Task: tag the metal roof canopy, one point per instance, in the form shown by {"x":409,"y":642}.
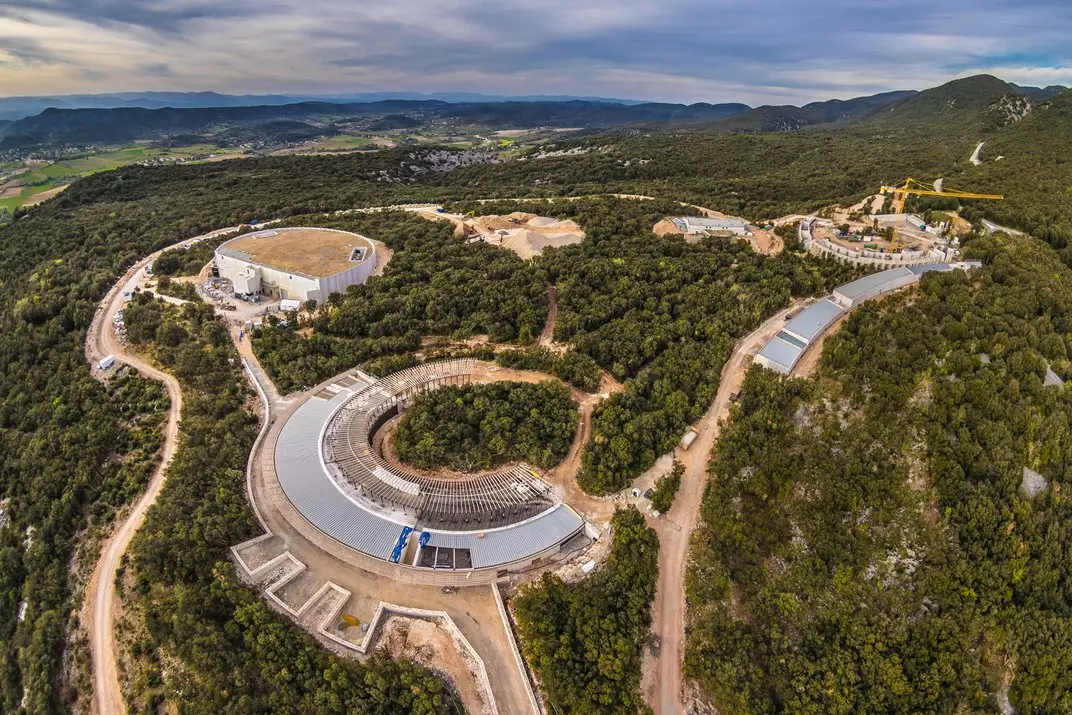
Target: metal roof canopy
{"x":781,"y":354}
{"x":813,"y":320}
{"x":862,"y":286}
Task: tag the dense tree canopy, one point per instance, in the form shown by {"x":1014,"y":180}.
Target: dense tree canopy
{"x":585,"y":640}
{"x":435,"y":284}
{"x":472,"y":427}
{"x":866,"y":544}
{"x":71,"y":449}
{"x":234,"y":650}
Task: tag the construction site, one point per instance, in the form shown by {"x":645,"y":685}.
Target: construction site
{"x":866,"y":234}
{"x":525,"y":234}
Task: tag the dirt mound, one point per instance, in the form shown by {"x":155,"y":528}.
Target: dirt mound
{"x":494,"y":223}
{"x":666,"y":227}
{"x":525,"y":234}
{"x":527,"y":243}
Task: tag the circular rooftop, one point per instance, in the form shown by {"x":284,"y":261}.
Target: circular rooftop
{"x":454,"y":501}
{"x":329,"y":472}
{"x":312,"y":252}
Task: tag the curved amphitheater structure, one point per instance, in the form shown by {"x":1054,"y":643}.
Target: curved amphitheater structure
{"x":328,"y":469}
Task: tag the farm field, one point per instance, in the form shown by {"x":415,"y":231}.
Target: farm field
{"x":41,"y":180}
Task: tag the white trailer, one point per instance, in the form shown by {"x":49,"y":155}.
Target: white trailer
{"x":106,"y":362}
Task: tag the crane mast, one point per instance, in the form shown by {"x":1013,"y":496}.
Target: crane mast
{"x":918,"y":188}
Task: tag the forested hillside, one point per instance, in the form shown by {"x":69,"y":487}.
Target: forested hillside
{"x":435,"y":284}
{"x":1031,"y":163}
{"x":585,"y":640}
{"x":71,"y":450}
{"x":869,"y":540}
{"x":659,"y":314}
{"x":193,"y":607}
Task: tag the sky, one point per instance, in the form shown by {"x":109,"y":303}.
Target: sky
{"x":752,"y":51}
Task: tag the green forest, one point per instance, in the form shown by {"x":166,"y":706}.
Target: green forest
{"x":585,"y":640}
{"x":435,"y":284}
{"x":237,"y":655}
{"x":867,"y":544}
{"x":659,"y":315}
{"x":72,"y":449}
{"x":480,"y":426}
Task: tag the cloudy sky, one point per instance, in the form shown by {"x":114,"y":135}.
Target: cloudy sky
{"x":755,"y":51}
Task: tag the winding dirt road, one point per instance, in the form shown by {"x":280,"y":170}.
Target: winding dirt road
{"x":662,"y":677}
{"x":98,"y":609}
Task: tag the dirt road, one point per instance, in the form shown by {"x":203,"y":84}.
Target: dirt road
{"x":662,"y":676}
{"x":98,"y":609}
{"x":547,"y":337}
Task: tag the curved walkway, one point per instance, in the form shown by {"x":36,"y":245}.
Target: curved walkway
{"x":98,"y":609}
{"x":356,"y":584}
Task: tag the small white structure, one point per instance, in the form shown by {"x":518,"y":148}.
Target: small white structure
{"x":106,"y":362}
{"x":296,"y":263}
{"x":700,"y":225}
{"x":246,"y":281}
{"x":688,"y":438}
{"x":289,"y":304}
{"x":588,"y":567}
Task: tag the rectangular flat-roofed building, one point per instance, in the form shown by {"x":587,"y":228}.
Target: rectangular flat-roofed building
{"x":813,"y":320}
{"x":693,"y":225}
{"x":852,"y":294}
{"x":779,"y":355}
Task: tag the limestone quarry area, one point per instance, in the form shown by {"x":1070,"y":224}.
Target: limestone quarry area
{"x":525,"y":234}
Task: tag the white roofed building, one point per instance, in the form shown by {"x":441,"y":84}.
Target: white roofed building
{"x":296,"y":263}
{"x":700,"y":225}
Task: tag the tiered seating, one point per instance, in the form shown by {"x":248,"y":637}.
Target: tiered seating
{"x":462,"y":503}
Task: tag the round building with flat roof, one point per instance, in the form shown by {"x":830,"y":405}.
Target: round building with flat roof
{"x":328,"y":469}
{"x":296,"y":263}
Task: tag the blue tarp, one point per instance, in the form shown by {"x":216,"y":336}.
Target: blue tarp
{"x":397,"y":553}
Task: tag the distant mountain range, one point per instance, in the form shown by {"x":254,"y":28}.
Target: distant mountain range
{"x":973,"y":104}
{"x":12,"y":108}
{"x":121,"y":125}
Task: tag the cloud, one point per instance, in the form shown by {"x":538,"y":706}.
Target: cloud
{"x":157,"y":69}
{"x":757,"y":51}
{"x":26,"y":52}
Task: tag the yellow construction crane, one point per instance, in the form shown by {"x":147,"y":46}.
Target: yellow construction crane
{"x":918,"y":188}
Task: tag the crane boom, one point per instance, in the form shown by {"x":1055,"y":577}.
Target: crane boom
{"x":918,"y":188}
